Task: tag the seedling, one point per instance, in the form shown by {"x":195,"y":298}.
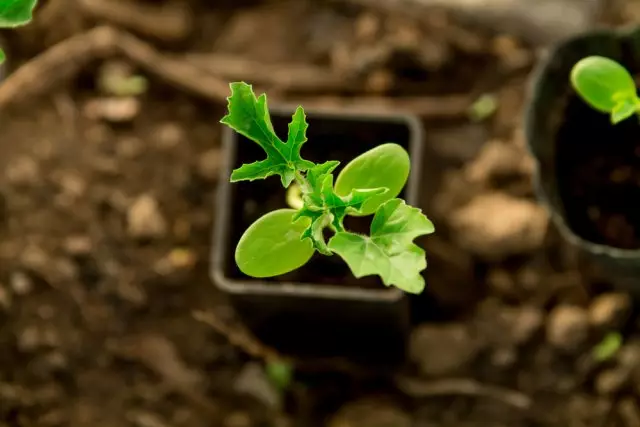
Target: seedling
{"x":15,"y":13}
{"x":284,"y":240}
{"x":606,"y":86}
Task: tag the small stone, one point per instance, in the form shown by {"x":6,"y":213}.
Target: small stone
{"x":177,"y":259}
{"x":35,"y":258}
{"x":567,"y":327}
{"x":29,"y":339}
{"x":524,"y":323}
{"x":169,"y":135}
{"x":237,"y":419}
{"x":21,"y":283}
{"x":5,"y":298}
{"x":23,"y":171}
{"x":612,"y":380}
{"x":440,"y":350}
{"x":370,"y":412}
{"x":71,"y":183}
{"x":254,"y":382}
{"x":145,"y":221}
{"x":498,"y":159}
{"x":610,"y":311}
{"x":495,"y":225}
{"x":130,"y":147}
{"x":629,"y":354}
{"x":209,"y":164}
{"x":78,"y":245}
{"x":504,"y":357}
{"x":116,"y":109}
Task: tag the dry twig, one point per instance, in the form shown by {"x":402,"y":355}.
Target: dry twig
{"x":239,"y":337}
{"x":461,"y":386}
{"x":168,"y":22}
{"x":285,"y":77}
{"x":67,"y":58}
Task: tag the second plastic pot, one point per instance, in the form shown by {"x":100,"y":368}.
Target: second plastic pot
{"x":588,"y":170}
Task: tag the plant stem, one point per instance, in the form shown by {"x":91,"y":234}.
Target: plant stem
{"x":302,"y":182}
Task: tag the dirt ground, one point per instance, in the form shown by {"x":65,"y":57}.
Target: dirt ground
{"x":108,"y":316}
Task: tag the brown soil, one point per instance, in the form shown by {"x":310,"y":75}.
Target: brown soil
{"x":106,"y":204}
{"x":600,"y":168}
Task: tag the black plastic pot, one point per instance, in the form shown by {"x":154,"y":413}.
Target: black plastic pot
{"x":588,"y":170}
{"x":320,"y":310}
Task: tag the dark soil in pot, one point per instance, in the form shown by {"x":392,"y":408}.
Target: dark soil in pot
{"x":598,"y":167}
{"x":328,"y":139}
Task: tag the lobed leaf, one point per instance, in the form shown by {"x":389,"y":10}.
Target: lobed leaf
{"x":389,"y":251}
{"x":273,"y":245}
{"x":386,"y":165}
{"x":249,"y":116}
{"x":603,"y":83}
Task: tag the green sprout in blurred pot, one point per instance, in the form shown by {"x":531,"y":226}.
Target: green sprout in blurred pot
{"x":606,"y":86}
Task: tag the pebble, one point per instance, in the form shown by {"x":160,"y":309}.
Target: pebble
{"x":610,"y":311}
{"x":209,"y":164}
{"x":78,"y":245}
{"x":23,"y":171}
{"x":524,"y":322}
{"x":440,"y":350}
{"x":21,"y":283}
{"x":567,"y":327}
{"x":494,"y":225}
{"x":145,"y":220}
{"x":130,"y":147}
{"x":114,"y":109}
{"x":5,"y":298}
{"x":254,"y":382}
{"x":237,"y":419}
{"x":370,"y":412}
{"x":612,"y":380}
{"x":169,"y":135}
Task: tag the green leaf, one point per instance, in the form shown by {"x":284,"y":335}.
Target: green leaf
{"x":608,"y":347}
{"x":280,"y":374}
{"x":352,"y":203}
{"x":272,"y":245}
{"x":389,"y":251}
{"x":386,"y":165}
{"x":623,"y":111}
{"x":249,"y":116}
{"x":603,"y":83}
{"x":3,"y":57}
{"x":16,"y":13}
{"x":325,"y":208}
{"x":315,"y":177}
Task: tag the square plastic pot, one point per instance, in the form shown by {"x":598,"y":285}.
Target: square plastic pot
{"x":321,"y":310}
{"x":550,"y":99}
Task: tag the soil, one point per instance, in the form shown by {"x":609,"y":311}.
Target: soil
{"x":598,"y":173}
{"x":108,"y":314}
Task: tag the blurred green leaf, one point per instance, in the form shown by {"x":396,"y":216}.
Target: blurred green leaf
{"x":603,"y":83}
{"x":16,"y":13}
